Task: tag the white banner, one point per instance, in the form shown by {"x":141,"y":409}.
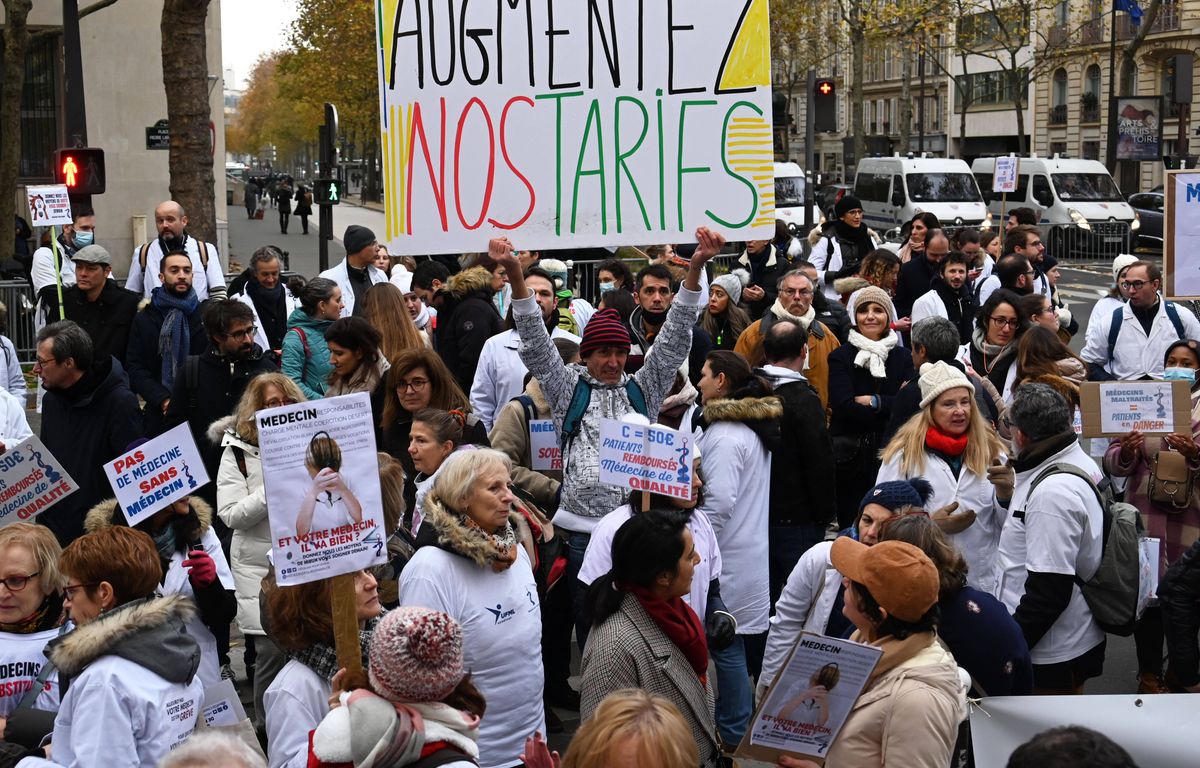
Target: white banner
{"x":577,"y":122}
{"x":156,"y":473}
{"x":31,"y":481}
{"x":1157,"y":731}
{"x":646,"y":458}
{"x":322,"y":481}
{"x":49,"y":206}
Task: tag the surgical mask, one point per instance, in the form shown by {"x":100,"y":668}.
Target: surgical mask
{"x":607,"y":285}
{"x":1180,"y":374}
{"x":84,"y":239}
{"x":164,"y":541}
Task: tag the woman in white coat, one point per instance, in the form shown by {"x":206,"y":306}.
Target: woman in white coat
{"x":242,"y":505}
{"x":814,"y":589}
{"x":950,"y":444}
{"x":741,"y":419}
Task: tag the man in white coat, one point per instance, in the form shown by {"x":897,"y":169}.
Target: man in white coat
{"x":268,"y":298}
{"x":1129,"y":343}
{"x":357,"y":272}
{"x":500,"y":374}
{"x":208,"y":274}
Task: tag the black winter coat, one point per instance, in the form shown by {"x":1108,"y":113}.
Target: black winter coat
{"x":916,"y":278}
{"x":765,"y":274}
{"x":467,"y":318}
{"x":847,"y":382}
{"x":802,"y":467}
{"x":107,"y":320}
{"x":85,"y":426}
{"x":144,"y":361}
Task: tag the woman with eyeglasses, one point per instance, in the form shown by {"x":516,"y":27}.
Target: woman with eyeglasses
{"x":842,"y":245}
{"x":134,"y":693}
{"x":31,"y":615}
{"x":992,"y":353}
{"x":1163,"y":473}
{"x":1038,"y":309}
{"x":864,"y":377}
{"x":419,"y":379}
{"x":305,"y":357}
{"x":242,"y":505}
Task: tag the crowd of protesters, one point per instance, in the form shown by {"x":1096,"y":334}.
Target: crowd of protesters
{"x":886,"y":449}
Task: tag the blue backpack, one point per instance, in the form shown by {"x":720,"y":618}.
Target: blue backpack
{"x":580,"y":399}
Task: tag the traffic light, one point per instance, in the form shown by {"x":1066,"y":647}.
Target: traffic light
{"x":327,"y":191}
{"x":81,"y":170}
{"x":824,"y":102}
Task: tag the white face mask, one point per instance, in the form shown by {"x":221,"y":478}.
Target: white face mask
{"x":606,"y":286}
{"x":1180,"y":374}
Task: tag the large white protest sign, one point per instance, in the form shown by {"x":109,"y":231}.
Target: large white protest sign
{"x":1115,"y":408}
{"x":322,"y":482}
{"x":810,"y":698}
{"x":31,"y":481}
{"x":1005,"y":175}
{"x":646,"y":458}
{"x":1181,"y":234}
{"x":1158,"y":731}
{"x":156,"y":473}
{"x":576,"y":122}
{"x":49,"y":206}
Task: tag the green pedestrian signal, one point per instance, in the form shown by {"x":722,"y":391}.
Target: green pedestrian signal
{"x":327,"y":191}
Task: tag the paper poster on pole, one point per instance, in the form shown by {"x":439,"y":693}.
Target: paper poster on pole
{"x":1005,"y":175}
{"x":1158,"y":731}
{"x":646,"y":458}
{"x":574,"y":123}
{"x":156,"y":473}
{"x":544,"y":449}
{"x":1115,"y":408}
{"x":31,"y":481}
{"x":810,"y":699}
{"x":322,"y":483}
{"x":49,"y":206}
{"x":1181,"y":234}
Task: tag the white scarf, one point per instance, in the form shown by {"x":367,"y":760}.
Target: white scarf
{"x":805,"y":320}
{"x":873,"y":355}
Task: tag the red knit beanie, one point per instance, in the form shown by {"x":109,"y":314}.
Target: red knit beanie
{"x":416,"y":655}
{"x":604,"y":329}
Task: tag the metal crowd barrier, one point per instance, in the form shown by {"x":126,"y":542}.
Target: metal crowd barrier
{"x":1102,"y":242}
{"x":587,"y":286}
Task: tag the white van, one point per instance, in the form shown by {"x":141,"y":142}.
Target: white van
{"x":789,"y":196}
{"x":1079,"y":206}
{"x":894,"y":189}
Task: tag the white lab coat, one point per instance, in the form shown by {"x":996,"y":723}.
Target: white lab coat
{"x":805,"y":604}
{"x":204,"y":281}
{"x":14,"y":427}
{"x":826,"y":256}
{"x":295,"y":704}
{"x":500,"y":374}
{"x":291,"y":303}
{"x":929,"y":305}
{"x":1136,"y":353}
{"x":340,"y":275}
{"x":13,"y":378}
{"x":41,"y":274}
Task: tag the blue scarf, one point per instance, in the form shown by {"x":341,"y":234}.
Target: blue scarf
{"x":175,"y":336}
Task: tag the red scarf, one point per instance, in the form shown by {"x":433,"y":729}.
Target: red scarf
{"x":945,"y":444}
{"x":679,"y":623}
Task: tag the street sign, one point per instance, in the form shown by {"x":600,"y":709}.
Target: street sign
{"x":1005,"y":178}
{"x":327,"y":191}
{"x":80,"y":170}
{"x":158,"y":136}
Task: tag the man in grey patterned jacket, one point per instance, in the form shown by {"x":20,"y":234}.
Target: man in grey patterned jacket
{"x":604,"y":348}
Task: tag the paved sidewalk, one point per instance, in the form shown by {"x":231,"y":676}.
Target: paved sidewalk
{"x":248,"y":235}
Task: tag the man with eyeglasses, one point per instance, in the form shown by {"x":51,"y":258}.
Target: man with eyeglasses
{"x":163,"y":334}
{"x":1026,"y":243}
{"x":1129,"y":344}
{"x":208,"y":386}
{"x":795,"y":302}
{"x":89,"y":415}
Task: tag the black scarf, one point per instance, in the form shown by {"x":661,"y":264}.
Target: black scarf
{"x":858,"y":237}
{"x":272,"y":310}
{"x":1035,"y":453}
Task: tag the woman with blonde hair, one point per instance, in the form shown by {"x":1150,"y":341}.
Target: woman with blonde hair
{"x":630,"y":727}
{"x":950,"y":444}
{"x":384,"y":308}
{"x":242,"y":505}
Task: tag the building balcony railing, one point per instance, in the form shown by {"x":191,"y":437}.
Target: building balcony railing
{"x":1092,"y":32}
{"x":1057,"y":35}
{"x":1089,"y":114}
{"x":1167,"y":21}
{"x":1058,"y":115}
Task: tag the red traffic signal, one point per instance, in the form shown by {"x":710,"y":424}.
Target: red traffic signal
{"x":80,"y":170}
{"x":825,"y":87}
{"x":824,"y":103}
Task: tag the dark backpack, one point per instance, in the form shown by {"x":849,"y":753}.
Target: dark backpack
{"x":1118,"y":317}
{"x":1112,"y":592}
{"x":581,"y":398}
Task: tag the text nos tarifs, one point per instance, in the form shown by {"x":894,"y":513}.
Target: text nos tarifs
{"x":576,"y":116}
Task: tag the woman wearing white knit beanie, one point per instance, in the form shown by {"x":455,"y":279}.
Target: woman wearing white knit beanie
{"x":950,"y":444}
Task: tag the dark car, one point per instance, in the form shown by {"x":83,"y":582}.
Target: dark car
{"x":1149,"y":208}
{"x":828,"y":195}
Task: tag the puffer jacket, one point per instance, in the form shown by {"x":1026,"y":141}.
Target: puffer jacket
{"x":739,"y":436}
{"x":584,"y":500}
{"x":467,"y":318}
{"x":242,"y":505}
{"x":309,"y":369}
{"x":909,"y":712}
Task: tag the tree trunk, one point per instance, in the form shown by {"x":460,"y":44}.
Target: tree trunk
{"x":185,"y":78}
{"x":905,"y":116}
{"x":857,"y":46}
{"x":16,"y":41}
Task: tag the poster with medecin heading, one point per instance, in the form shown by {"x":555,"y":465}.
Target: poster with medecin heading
{"x":322,"y":483}
{"x":810,"y":699}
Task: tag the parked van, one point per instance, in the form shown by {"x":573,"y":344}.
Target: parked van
{"x":894,"y":189}
{"x":1080,"y":207}
{"x":789,"y":196}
